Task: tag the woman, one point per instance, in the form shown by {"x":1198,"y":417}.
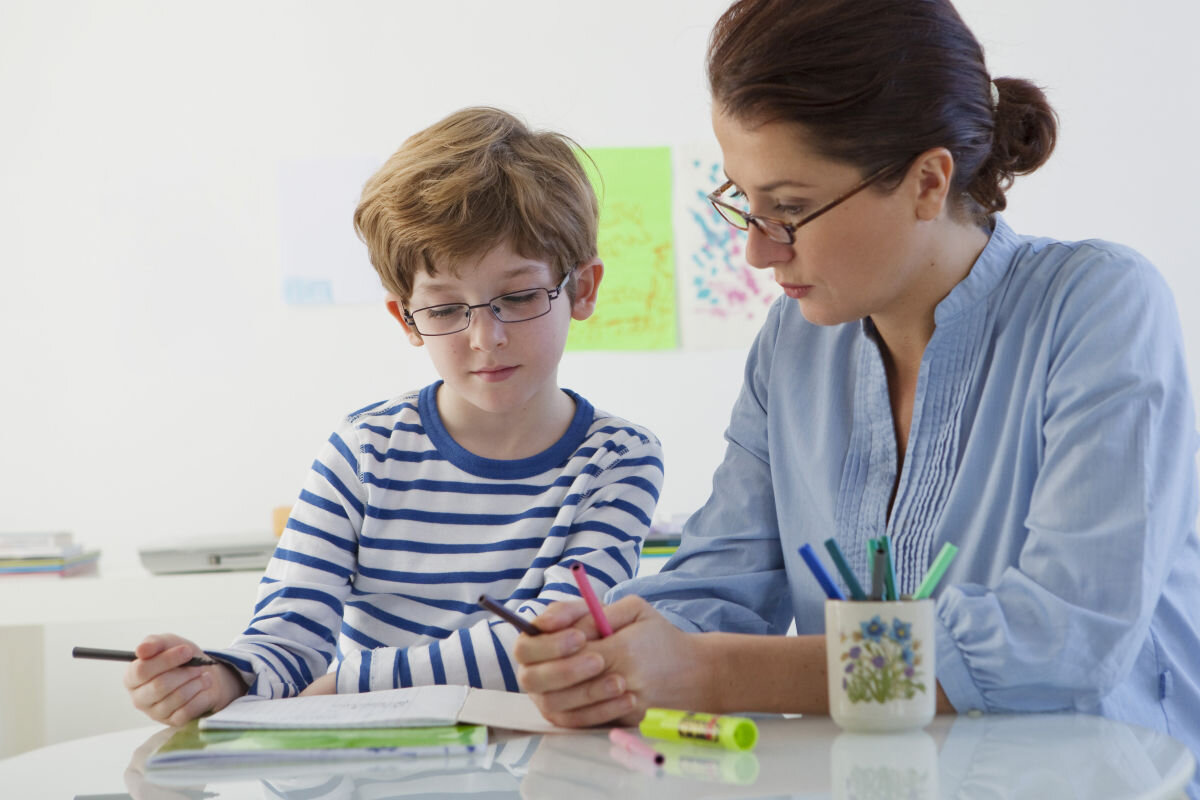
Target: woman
{"x":930,"y":374}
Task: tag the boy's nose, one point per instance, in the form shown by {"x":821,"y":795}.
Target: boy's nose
{"x":485,"y":330}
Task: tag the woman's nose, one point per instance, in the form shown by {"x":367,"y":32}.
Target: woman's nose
{"x":762,"y":252}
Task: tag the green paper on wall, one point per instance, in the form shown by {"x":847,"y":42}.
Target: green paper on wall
{"x":636,"y":306}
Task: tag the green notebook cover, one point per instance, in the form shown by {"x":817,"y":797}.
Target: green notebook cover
{"x":192,"y":746}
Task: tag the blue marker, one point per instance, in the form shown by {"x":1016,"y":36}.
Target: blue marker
{"x":818,"y":571}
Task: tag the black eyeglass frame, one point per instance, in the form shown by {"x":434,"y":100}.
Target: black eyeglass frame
{"x":789,"y":228}
{"x":551,"y":296}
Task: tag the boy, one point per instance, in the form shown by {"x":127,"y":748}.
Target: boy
{"x":492,"y":480}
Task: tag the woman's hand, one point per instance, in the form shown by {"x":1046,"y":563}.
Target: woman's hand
{"x":169,"y":692}
{"x":577,"y":679}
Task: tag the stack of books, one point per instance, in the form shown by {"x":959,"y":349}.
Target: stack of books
{"x":664,"y":535}
{"x":45,"y":554}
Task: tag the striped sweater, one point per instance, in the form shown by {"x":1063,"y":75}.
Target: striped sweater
{"x":398,"y":530}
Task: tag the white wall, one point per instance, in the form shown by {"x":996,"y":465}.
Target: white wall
{"x":153,"y":382}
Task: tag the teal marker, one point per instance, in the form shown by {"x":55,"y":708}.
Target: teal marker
{"x":936,"y":570}
{"x":889,"y":577}
{"x":839,"y":561}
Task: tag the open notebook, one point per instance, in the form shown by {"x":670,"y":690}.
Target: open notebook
{"x":429,"y":721}
{"x":422,"y":706}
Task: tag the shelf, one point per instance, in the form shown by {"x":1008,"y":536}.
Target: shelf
{"x":106,"y":597}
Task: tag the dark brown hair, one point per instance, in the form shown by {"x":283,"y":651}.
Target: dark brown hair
{"x":878,"y":82}
{"x":469,"y":182}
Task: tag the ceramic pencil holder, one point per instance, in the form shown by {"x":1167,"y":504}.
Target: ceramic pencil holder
{"x":880,"y":657}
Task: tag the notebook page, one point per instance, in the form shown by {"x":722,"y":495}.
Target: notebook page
{"x":505,"y":710}
{"x":389,"y":708}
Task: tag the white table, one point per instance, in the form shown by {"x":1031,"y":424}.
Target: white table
{"x":42,"y":617}
{"x":1056,"y":757}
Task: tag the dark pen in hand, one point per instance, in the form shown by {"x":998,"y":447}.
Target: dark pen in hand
{"x":128,"y":655}
{"x":520,"y":623}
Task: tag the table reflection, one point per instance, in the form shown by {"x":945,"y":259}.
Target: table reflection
{"x":1058,"y":756}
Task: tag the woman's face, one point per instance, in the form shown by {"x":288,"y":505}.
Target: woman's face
{"x":861,"y":258}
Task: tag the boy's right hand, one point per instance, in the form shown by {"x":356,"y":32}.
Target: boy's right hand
{"x":170,"y":693}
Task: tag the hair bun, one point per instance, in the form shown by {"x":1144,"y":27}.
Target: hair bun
{"x":1026,"y":129}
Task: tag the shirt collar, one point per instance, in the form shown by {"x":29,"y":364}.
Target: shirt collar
{"x":985,"y":275}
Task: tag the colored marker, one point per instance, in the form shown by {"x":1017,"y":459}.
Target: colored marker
{"x":735,"y":733}
{"x":889,"y":577}
{"x":936,"y":570}
{"x":520,"y":623}
{"x":878,"y":571}
{"x":818,"y":571}
{"x":839,"y":561}
{"x":632,"y":744}
{"x":589,"y":597}
{"x":128,"y":655}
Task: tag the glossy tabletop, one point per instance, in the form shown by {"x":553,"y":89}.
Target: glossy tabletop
{"x":1028,"y":756}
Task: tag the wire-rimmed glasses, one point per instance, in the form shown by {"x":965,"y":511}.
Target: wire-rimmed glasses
{"x":520,"y":306}
{"x":776,"y":229}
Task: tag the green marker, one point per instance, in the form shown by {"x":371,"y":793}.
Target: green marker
{"x":944,"y":557}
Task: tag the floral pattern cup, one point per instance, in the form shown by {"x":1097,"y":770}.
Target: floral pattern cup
{"x":880,"y":659}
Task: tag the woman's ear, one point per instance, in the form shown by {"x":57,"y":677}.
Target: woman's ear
{"x":934,"y":170}
{"x":396,"y":309}
{"x":587,"y":285}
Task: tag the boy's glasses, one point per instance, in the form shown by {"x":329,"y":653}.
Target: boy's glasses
{"x":512,"y":307}
{"x":776,"y":229}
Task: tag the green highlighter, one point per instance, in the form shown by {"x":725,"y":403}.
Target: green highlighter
{"x":734,"y":733}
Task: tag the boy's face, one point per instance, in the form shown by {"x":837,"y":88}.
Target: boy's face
{"x":499,"y":367}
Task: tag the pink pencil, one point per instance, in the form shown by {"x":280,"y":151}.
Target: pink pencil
{"x":589,"y":597}
{"x":632,"y":744}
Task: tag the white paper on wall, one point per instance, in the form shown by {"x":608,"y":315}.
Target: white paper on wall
{"x":323,"y":261}
{"x":722,"y":300}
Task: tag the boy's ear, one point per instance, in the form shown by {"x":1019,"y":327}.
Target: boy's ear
{"x":396,"y":309}
{"x":587,"y":285}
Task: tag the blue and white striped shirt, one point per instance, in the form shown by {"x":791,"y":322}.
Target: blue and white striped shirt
{"x":398,"y":530}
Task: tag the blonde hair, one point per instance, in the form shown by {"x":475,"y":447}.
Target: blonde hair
{"x":465,"y":184}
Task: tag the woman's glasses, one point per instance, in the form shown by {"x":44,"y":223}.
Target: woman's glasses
{"x":776,"y":229}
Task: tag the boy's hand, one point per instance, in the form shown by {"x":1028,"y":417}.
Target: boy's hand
{"x":170,"y":693}
{"x":577,"y":679}
{"x":326,"y":684}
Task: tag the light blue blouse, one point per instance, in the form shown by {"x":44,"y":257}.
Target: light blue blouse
{"x":1053,"y":441}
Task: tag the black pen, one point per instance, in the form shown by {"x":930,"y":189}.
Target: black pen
{"x":519,"y":623}
{"x":128,"y":655}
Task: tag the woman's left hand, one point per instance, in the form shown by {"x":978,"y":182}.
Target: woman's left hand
{"x":647,"y":662}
